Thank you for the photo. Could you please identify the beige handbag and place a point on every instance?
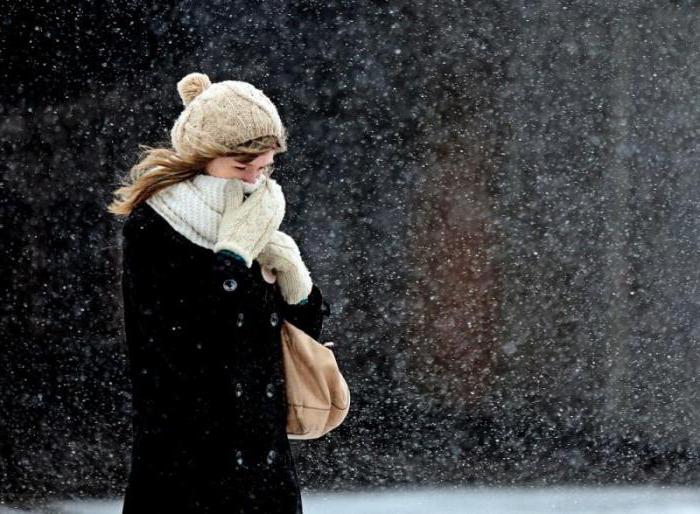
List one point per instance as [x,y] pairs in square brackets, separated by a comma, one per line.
[318,396]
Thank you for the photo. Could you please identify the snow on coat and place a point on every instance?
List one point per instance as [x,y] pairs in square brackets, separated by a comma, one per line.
[209,405]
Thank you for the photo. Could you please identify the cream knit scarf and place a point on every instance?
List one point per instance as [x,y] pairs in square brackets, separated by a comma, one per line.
[194,207]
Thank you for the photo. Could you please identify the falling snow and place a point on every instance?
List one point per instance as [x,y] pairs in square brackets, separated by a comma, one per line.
[499,199]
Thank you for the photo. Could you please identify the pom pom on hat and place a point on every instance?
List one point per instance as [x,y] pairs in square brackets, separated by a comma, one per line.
[191,86]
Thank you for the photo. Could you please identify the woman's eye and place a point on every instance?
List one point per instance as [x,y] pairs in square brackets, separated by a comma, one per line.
[269,167]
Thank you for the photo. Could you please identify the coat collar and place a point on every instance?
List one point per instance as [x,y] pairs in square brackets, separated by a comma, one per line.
[194,208]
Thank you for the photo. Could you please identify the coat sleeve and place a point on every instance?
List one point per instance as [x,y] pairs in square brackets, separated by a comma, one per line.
[151,315]
[308,316]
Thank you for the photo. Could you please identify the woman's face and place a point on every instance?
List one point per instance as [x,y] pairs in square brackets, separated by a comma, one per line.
[228,167]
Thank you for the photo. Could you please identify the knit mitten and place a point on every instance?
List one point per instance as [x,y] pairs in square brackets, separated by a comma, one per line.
[246,226]
[282,254]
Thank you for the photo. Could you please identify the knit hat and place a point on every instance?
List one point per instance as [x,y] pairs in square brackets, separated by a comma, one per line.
[222,115]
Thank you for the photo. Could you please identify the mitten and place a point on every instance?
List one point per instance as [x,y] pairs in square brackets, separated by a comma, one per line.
[282,254]
[247,225]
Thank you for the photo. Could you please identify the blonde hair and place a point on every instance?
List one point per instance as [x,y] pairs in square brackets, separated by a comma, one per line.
[161,166]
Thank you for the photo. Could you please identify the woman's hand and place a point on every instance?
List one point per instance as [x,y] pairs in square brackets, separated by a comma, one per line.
[282,254]
[247,226]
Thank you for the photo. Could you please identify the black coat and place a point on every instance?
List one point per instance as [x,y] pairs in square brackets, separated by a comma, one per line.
[209,411]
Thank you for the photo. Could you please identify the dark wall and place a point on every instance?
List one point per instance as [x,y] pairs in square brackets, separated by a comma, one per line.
[499,200]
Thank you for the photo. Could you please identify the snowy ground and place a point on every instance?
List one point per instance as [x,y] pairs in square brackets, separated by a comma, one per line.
[552,500]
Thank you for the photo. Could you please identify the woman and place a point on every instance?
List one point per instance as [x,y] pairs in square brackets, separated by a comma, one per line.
[207,280]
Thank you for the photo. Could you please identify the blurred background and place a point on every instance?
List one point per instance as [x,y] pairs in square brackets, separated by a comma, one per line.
[500,201]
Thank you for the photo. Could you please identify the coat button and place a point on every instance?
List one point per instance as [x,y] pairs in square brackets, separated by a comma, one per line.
[230,284]
[239,321]
[239,389]
[271,456]
[274,319]
[270,390]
